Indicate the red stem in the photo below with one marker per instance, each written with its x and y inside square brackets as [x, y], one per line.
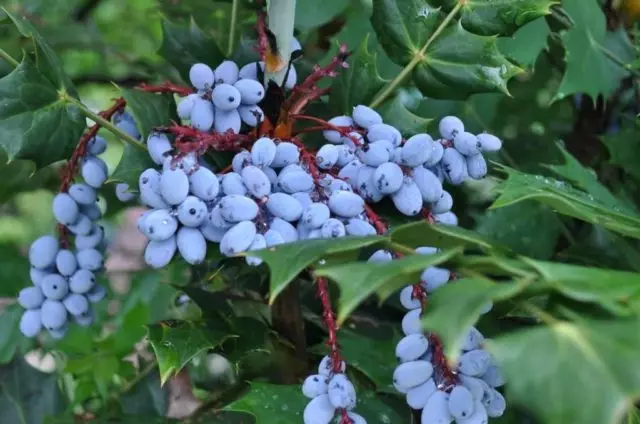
[344, 131]
[166, 87]
[190, 140]
[332, 340]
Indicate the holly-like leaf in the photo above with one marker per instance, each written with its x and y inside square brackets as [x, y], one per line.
[359, 280]
[422, 233]
[587, 47]
[596, 360]
[489, 17]
[526, 44]
[605, 286]
[456, 306]
[149, 110]
[311, 14]
[184, 46]
[458, 64]
[624, 149]
[175, 343]
[395, 113]
[512, 227]
[271, 403]
[566, 200]
[358, 83]
[146, 397]
[288, 260]
[28, 395]
[35, 123]
[453, 65]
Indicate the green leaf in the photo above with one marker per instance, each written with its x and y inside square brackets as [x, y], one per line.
[271, 403]
[456, 307]
[395, 113]
[588, 362]
[35, 123]
[182, 47]
[526, 44]
[150, 110]
[587, 47]
[458, 64]
[422, 233]
[359, 280]
[28, 395]
[604, 286]
[512, 227]
[359, 83]
[12, 341]
[489, 17]
[372, 408]
[146, 397]
[566, 200]
[374, 357]
[47, 61]
[288, 260]
[587, 180]
[15, 270]
[624, 150]
[175, 343]
[311, 14]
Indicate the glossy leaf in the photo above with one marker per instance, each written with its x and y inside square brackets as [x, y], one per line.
[271, 403]
[566, 200]
[286, 261]
[624, 150]
[408, 123]
[184, 46]
[422, 233]
[12, 341]
[359, 280]
[146, 397]
[312, 14]
[36, 124]
[28, 395]
[456, 306]
[175, 343]
[583, 352]
[358, 83]
[511, 226]
[526, 44]
[587, 47]
[489, 17]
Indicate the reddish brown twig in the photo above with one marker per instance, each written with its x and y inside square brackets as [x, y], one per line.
[329, 319]
[69, 170]
[325, 125]
[190, 140]
[375, 220]
[427, 215]
[166, 87]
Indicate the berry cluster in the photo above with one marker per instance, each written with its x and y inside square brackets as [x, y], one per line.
[64, 280]
[374, 159]
[465, 394]
[330, 391]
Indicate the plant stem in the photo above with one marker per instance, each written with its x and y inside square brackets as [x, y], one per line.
[9, 59]
[106, 124]
[232, 30]
[417, 58]
[139, 377]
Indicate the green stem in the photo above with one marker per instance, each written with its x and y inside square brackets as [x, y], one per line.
[417, 58]
[9, 59]
[103, 122]
[232, 30]
[151, 366]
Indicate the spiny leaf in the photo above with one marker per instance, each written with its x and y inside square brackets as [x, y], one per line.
[504, 17]
[624, 149]
[582, 352]
[422, 233]
[35, 123]
[286, 261]
[175, 343]
[182, 47]
[566, 200]
[588, 46]
[357, 84]
[271, 403]
[456, 306]
[359, 280]
[526, 44]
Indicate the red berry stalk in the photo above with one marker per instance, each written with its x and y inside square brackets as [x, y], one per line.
[69, 170]
[166, 87]
[191, 140]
